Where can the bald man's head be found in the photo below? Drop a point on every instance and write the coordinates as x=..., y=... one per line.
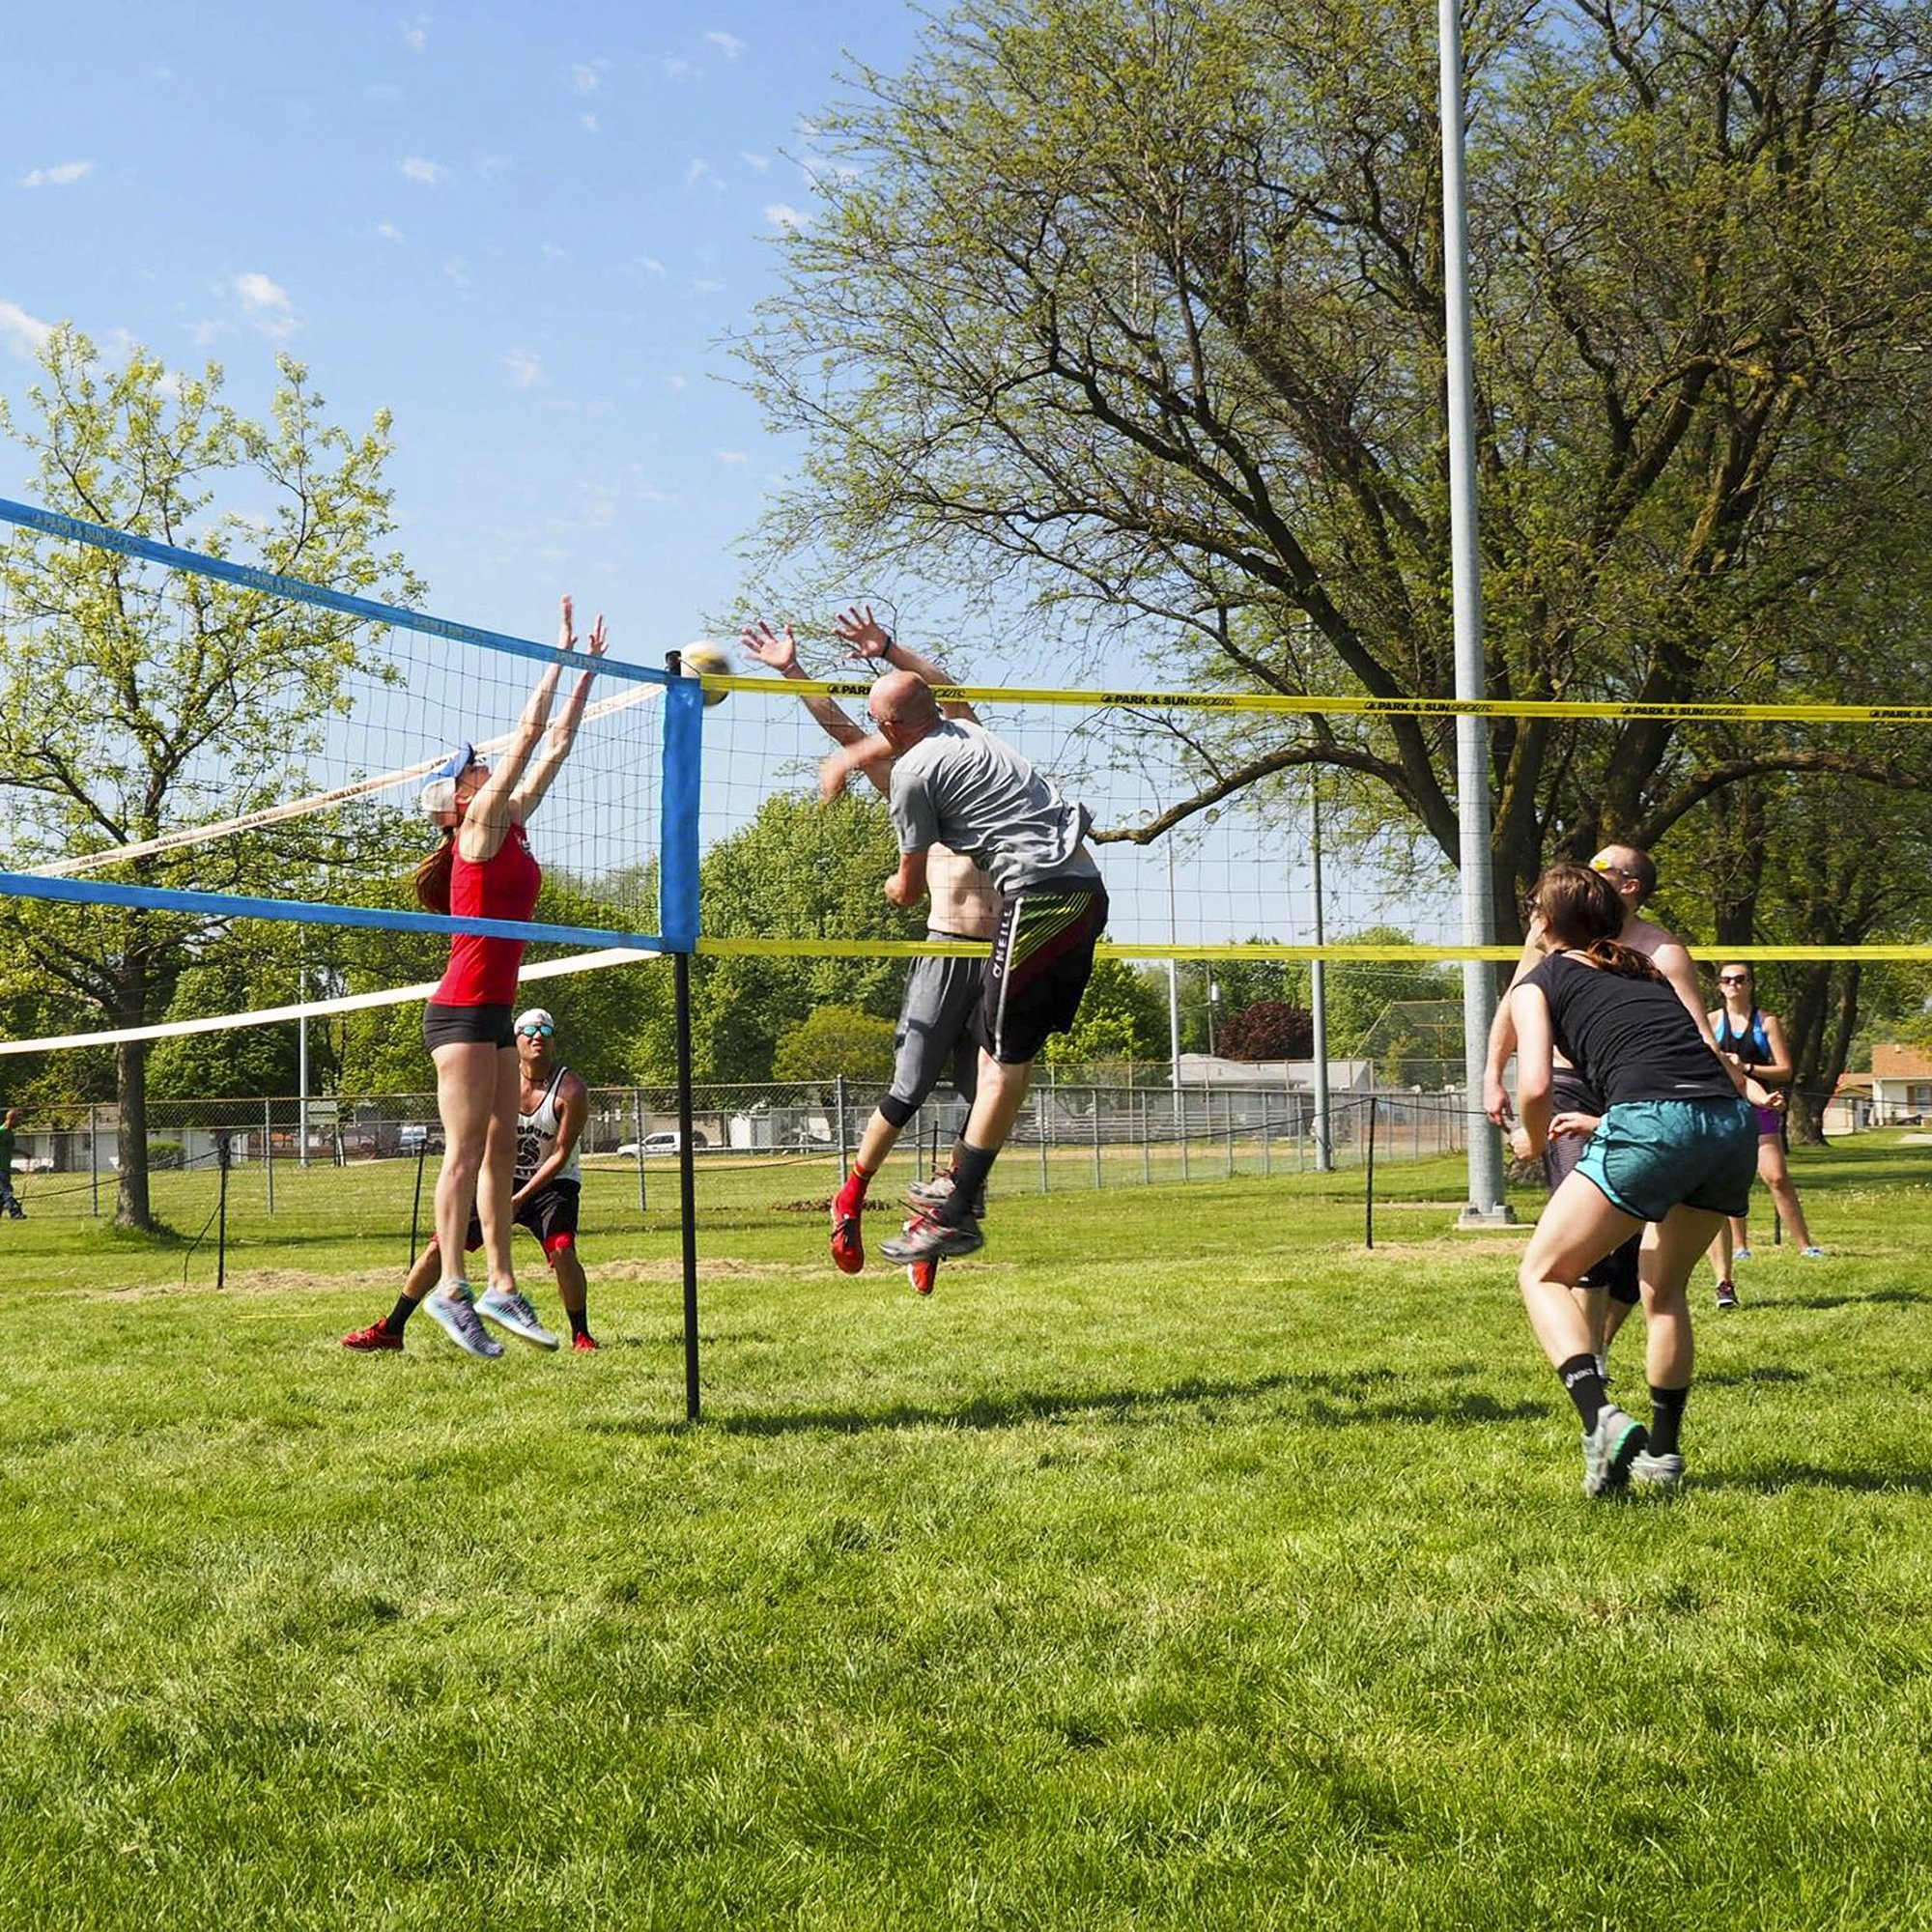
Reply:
x=902, y=704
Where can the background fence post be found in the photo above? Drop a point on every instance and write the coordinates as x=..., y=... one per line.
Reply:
x=93, y=1158
x=268, y=1148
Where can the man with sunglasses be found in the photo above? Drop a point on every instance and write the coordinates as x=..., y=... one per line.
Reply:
x=551, y=1112
x=1609, y=1290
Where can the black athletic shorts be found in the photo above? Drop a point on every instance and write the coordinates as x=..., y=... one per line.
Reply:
x=1571, y=1094
x=550, y=1214
x=1042, y=959
x=475, y=1026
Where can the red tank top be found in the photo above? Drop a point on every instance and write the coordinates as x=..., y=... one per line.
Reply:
x=482, y=971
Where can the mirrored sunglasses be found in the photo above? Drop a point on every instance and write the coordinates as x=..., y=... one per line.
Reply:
x=536, y=1031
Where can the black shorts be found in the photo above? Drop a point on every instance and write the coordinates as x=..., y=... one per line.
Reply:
x=468, y=1026
x=550, y=1214
x=1571, y=1094
x=1042, y=959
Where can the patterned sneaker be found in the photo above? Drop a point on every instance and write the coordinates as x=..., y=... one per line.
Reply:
x=584, y=1344
x=1610, y=1449
x=936, y=1192
x=453, y=1311
x=924, y=1276
x=1811, y=1254
x=375, y=1338
x=1657, y=1472
x=510, y=1309
x=1728, y=1295
x=1740, y=1254
x=926, y=1239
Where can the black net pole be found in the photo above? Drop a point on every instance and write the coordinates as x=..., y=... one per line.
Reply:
x=687, y=1180
x=221, y=1155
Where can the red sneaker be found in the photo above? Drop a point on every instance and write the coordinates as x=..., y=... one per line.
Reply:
x=848, y=1238
x=379, y=1335
x=923, y=1275
x=585, y=1344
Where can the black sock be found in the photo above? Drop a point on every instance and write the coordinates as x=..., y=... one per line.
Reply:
x=400, y=1313
x=1667, y=1419
x=579, y=1320
x=969, y=1182
x=1585, y=1383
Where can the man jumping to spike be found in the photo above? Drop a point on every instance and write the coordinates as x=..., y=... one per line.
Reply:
x=551, y=1112
x=936, y=1017
x=957, y=784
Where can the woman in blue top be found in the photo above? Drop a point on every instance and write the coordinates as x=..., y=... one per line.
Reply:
x=1675, y=1147
x=1755, y=1039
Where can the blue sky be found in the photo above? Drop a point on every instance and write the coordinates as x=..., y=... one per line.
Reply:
x=521, y=229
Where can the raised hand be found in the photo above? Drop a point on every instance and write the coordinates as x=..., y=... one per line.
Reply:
x=867, y=635
x=779, y=649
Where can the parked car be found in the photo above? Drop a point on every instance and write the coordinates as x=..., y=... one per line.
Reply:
x=663, y=1143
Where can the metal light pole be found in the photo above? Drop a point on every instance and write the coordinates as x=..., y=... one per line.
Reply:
x=1173, y=990
x=302, y=1053
x=1318, y=989
x=1473, y=733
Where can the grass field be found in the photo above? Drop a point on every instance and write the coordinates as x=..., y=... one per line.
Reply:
x=1178, y=1564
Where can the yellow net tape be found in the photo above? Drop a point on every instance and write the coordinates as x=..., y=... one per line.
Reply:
x=1801, y=711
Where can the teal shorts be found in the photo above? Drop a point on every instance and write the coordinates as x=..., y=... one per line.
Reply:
x=1649, y=1157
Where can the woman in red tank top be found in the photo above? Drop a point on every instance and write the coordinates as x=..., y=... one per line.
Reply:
x=484, y=869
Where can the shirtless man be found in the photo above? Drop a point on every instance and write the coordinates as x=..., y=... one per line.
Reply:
x=936, y=1017
x=1609, y=1290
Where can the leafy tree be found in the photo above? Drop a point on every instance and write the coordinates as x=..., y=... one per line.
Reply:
x=1268, y=1029
x=804, y=869
x=1134, y=317
x=833, y=1041
x=133, y=700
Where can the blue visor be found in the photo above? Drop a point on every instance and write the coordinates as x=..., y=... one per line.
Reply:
x=457, y=763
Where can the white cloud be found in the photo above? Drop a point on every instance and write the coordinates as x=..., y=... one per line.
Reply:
x=783, y=215
x=588, y=122
x=730, y=43
x=265, y=303
x=456, y=271
x=489, y=166
x=759, y=162
x=389, y=231
x=699, y=173
x=23, y=333
x=703, y=286
x=650, y=265
x=431, y=174
x=525, y=371
x=416, y=36
x=678, y=69
x=553, y=251
x=587, y=76
x=732, y=456
x=676, y=383
x=62, y=175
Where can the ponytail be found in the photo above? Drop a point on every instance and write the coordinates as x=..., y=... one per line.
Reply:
x=1620, y=959
x=432, y=876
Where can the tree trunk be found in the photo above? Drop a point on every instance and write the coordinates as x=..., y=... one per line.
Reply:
x=131, y=1206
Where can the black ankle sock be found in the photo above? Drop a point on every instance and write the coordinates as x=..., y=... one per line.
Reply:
x=401, y=1313
x=1667, y=1419
x=969, y=1182
x=1585, y=1383
x=579, y=1320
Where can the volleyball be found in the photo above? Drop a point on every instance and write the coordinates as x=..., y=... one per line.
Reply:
x=707, y=659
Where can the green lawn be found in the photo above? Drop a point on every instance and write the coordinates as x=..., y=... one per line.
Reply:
x=1178, y=1564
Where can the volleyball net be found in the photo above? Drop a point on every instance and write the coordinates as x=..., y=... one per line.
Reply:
x=233, y=756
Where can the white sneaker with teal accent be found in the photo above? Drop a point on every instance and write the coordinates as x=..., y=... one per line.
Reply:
x=1657, y=1472
x=455, y=1314
x=509, y=1308
x=1610, y=1449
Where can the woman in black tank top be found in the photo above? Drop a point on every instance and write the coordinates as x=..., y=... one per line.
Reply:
x=1671, y=1154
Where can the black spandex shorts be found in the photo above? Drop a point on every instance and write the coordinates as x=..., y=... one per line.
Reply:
x=1568, y=1093
x=470, y=1026
x=1042, y=959
x=550, y=1214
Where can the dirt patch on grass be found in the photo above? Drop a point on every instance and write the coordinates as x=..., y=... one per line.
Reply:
x=248, y=1281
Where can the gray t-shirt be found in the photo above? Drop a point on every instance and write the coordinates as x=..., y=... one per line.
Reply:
x=961, y=786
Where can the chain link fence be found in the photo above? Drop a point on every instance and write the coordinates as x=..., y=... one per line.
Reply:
x=368, y=1165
